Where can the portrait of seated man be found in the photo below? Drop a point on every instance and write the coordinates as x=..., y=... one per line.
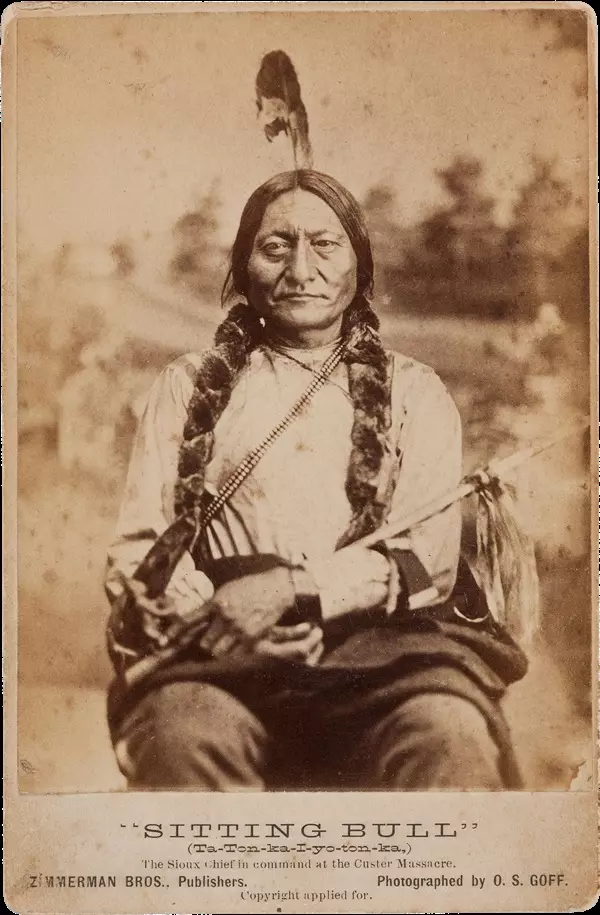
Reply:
x=257, y=643
x=299, y=593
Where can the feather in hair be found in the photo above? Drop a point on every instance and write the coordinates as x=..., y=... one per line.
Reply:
x=280, y=105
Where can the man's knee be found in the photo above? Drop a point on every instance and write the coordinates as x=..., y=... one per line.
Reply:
x=198, y=714
x=192, y=734
x=437, y=740
x=447, y=722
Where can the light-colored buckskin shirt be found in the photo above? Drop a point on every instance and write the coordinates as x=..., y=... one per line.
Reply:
x=294, y=503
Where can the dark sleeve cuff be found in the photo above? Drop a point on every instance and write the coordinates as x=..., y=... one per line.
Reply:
x=417, y=589
x=307, y=604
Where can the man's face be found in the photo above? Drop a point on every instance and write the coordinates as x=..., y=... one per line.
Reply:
x=302, y=269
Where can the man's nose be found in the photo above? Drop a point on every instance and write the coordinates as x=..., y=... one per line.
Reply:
x=299, y=265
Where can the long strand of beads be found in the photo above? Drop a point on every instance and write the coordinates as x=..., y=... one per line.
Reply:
x=252, y=459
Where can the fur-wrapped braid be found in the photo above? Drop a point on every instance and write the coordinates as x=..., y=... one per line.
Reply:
x=369, y=378
x=235, y=339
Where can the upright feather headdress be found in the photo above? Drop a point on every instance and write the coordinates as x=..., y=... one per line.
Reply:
x=280, y=105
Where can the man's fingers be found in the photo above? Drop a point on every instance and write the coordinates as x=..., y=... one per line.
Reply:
x=257, y=623
x=216, y=630
x=296, y=650
x=315, y=655
x=291, y=651
x=225, y=631
x=315, y=637
x=289, y=633
x=226, y=644
x=273, y=649
x=226, y=634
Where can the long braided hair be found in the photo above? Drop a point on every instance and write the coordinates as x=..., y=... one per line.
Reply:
x=369, y=366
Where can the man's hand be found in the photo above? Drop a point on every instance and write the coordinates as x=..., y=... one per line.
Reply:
x=303, y=642
x=354, y=578
x=245, y=609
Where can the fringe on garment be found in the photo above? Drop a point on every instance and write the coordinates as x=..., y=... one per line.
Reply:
x=506, y=560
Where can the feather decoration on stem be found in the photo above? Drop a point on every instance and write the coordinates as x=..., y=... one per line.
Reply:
x=506, y=559
x=280, y=106
x=505, y=554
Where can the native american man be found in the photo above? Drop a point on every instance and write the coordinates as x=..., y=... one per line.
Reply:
x=317, y=663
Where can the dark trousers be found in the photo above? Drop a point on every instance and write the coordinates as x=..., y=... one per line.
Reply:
x=198, y=736
x=408, y=707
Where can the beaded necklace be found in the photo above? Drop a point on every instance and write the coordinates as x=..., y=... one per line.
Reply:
x=243, y=470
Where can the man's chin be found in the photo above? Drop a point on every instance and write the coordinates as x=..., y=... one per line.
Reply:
x=304, y=317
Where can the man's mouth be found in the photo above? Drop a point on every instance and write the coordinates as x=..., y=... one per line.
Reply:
x=298, y=297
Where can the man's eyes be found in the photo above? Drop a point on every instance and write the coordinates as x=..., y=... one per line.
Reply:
x=324, y=244
x=275, y=248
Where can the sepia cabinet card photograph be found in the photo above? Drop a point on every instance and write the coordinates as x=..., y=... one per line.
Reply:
x=300, y=496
